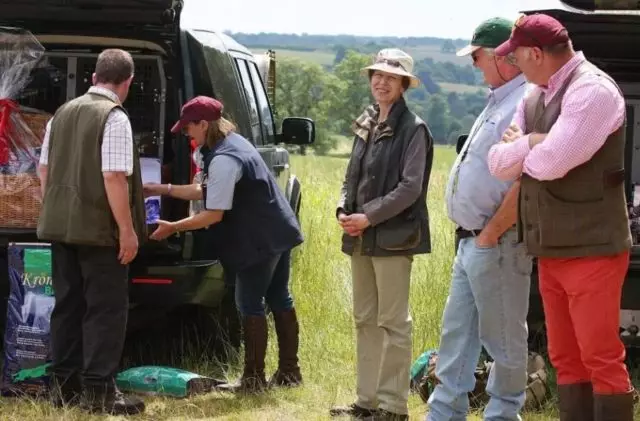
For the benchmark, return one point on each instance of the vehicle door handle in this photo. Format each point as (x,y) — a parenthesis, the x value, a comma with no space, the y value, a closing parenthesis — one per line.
(280,167)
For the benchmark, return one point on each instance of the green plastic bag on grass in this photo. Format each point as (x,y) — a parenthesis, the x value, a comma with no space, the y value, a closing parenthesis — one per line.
(167,381)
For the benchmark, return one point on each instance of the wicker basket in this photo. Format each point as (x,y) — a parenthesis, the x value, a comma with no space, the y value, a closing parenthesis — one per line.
(37,123)
(20,194)
(20,200)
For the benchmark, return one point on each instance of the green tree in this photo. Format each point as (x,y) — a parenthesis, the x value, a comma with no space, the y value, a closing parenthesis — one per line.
(302,92)
(454,130)
(351,89)
(467,122)
(448,47)
(438,118)
(341,52)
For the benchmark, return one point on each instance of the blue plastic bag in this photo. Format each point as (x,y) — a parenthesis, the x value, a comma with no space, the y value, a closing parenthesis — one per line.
(26,339)
(152,207)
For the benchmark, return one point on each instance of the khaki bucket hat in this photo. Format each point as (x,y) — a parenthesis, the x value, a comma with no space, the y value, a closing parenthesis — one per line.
(393,60)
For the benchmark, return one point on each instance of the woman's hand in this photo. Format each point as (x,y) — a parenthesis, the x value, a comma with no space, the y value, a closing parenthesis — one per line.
(354,224)
(342,220)
(154,189)
(164,230)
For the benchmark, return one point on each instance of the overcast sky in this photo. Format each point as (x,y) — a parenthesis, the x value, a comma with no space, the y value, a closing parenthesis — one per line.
(437,18)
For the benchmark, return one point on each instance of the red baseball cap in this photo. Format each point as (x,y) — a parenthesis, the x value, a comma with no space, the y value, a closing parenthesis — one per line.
(537,30)
(198,109)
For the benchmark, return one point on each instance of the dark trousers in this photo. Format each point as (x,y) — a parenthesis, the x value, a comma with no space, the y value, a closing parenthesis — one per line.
(89,319)
(266,281)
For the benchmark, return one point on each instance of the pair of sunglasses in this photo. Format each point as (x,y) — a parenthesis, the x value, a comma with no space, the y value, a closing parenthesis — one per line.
(392,63)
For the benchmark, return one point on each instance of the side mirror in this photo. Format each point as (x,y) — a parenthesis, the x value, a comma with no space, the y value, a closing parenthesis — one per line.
(298,131)
(460,143)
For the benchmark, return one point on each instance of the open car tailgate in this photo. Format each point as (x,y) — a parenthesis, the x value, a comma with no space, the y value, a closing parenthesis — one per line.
(145,12)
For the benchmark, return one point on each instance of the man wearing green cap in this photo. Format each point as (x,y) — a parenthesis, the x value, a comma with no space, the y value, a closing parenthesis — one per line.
(489,294)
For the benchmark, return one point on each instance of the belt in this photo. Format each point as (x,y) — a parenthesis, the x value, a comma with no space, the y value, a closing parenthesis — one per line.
(463,233)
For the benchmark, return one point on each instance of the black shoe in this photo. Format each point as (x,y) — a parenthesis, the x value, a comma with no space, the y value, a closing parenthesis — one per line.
(353,411)
(108,400)
(383,415)
(64,392)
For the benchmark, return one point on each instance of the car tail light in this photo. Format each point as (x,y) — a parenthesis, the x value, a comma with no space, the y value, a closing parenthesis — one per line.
(152,281)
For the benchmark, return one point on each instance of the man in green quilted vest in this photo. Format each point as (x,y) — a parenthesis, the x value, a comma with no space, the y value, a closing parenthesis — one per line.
(93,214)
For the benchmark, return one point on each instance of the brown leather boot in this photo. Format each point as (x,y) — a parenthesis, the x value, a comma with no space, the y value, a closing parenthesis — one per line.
(255,337)
(617,407)
(287,329)
(576,402)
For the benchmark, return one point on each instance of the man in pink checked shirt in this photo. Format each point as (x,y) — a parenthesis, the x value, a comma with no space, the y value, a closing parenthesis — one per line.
(566,144)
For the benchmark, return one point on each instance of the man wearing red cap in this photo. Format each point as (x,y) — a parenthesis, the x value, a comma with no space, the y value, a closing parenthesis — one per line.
(566,143)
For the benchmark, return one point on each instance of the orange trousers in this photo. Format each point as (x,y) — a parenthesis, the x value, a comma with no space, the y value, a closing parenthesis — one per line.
(581,299)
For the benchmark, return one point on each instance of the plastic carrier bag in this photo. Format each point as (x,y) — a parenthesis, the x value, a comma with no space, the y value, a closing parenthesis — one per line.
(166,381)
(26,338)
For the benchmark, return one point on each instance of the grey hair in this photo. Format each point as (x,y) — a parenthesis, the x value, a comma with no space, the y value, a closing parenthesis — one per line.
(509,58)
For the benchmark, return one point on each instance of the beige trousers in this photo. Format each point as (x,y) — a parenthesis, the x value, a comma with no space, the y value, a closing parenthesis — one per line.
(383,329)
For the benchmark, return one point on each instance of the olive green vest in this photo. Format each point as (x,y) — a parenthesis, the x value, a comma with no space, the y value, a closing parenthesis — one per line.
(75,208)
(583,213)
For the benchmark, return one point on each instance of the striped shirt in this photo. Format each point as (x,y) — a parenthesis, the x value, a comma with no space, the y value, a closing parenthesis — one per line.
(592,108)
(117,141)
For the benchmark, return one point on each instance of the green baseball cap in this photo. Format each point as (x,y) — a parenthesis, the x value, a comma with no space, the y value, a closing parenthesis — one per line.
(489,34)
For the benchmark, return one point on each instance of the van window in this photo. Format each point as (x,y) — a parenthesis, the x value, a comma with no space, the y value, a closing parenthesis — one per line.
(266,116)
(251,98)
(213,75)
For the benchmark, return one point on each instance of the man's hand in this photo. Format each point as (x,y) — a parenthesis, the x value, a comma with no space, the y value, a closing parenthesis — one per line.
(512,133)
(486,239)
(154,189)
(128,246)
(536,138)
(164,230)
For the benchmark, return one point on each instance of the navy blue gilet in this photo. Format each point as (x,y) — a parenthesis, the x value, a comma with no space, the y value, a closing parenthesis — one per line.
(261,222)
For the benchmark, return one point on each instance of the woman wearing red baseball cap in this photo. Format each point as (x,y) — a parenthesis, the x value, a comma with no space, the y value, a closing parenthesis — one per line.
(253,229)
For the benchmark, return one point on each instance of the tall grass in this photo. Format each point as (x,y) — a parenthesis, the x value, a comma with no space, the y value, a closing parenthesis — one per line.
(321,286)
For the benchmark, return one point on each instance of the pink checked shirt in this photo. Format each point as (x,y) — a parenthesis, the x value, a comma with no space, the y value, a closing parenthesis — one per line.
(592,108)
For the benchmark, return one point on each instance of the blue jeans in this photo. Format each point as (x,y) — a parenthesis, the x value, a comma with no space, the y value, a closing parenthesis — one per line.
(266,281)
(487,306)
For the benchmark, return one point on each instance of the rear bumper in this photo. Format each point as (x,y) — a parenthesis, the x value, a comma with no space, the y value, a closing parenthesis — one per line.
(179,283)
(155,280)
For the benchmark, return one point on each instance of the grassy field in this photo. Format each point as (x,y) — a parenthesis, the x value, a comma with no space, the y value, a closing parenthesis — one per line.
(326,57)
(322,291)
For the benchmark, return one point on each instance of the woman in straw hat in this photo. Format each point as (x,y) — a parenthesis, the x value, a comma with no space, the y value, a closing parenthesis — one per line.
(383,214)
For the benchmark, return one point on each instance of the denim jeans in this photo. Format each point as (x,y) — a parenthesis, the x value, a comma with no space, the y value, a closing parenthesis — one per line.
(265,282)
(487,306)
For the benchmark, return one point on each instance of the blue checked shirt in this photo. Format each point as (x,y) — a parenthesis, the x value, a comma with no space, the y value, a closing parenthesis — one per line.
(472,194)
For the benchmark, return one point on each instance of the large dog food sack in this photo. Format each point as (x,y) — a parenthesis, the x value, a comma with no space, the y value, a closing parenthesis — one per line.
(26,337)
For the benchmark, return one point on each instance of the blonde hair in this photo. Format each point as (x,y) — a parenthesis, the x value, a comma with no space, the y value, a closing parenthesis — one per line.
(218,130)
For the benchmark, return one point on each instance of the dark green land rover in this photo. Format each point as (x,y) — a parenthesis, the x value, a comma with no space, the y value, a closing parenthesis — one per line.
(176,279)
